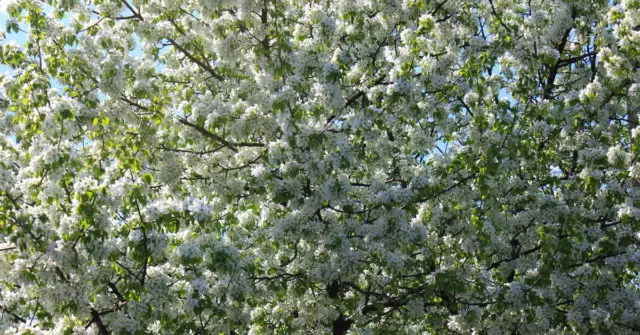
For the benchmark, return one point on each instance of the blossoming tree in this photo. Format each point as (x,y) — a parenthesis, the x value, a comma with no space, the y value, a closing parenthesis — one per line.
(330,167)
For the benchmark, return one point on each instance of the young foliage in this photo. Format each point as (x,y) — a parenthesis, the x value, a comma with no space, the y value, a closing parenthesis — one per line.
(326,167)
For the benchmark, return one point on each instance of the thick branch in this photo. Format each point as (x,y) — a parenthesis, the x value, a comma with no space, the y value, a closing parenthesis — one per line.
(206,133)
(524,253)
(12,314)
(192,58)
(135,13)
(95,318)
(553,72)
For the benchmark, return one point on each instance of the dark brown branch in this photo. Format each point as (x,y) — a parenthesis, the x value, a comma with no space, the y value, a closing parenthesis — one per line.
(231,145)
(135,13)
(498,16)
(12,314)
(95,318)
(115,291)
(553,72)
(341,325)
(204,152)
(264,17)
(192,58)
(208,134)
(606,225)
(133,103)
(240,167)
(572,60)
(460,182)
(524,253)
(9,248)
(595,259)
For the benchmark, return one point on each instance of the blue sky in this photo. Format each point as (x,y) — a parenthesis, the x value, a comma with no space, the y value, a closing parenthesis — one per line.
(19,38)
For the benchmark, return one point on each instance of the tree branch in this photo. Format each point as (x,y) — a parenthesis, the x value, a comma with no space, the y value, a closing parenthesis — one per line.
(231,145)
(192,58)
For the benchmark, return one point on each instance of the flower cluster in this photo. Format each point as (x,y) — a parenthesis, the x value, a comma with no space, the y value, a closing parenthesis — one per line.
(342,166)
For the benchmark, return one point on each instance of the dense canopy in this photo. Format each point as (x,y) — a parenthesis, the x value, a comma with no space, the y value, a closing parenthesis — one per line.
(320,166)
